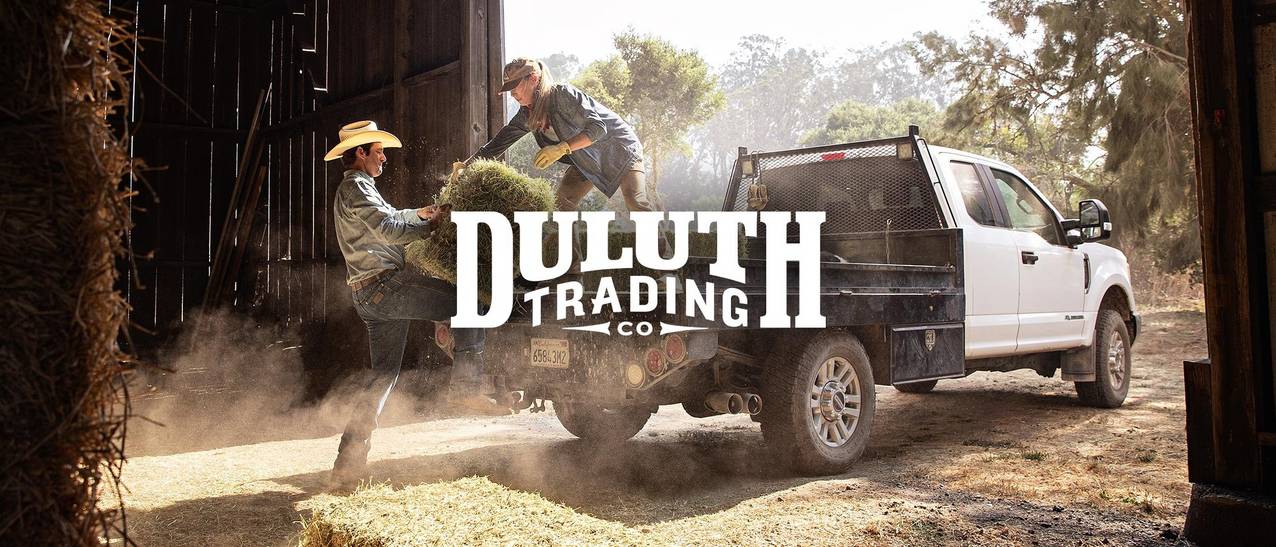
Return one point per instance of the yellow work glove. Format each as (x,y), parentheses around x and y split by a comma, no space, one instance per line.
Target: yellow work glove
(457,167)
(550,154)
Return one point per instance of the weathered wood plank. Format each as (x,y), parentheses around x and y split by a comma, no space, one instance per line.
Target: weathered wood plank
(1227,240)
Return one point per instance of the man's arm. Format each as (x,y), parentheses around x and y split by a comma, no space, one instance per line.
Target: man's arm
(395,226)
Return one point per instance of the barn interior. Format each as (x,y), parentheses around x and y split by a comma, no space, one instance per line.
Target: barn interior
(234,104)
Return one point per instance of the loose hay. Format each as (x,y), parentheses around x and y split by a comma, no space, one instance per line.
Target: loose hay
(62,215)
(483,186)
(469,511)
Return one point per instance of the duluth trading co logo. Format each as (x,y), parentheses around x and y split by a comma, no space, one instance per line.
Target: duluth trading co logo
(728,307)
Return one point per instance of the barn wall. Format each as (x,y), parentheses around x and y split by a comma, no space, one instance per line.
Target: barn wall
(422,69)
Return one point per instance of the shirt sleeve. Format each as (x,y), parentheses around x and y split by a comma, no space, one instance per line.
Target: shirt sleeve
(506,137)
(571,99)
(395,226)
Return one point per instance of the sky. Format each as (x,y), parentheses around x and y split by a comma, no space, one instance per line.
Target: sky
(538,28)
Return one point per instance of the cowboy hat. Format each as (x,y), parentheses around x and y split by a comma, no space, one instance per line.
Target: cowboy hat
(360,133)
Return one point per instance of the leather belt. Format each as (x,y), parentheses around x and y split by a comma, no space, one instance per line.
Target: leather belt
(380,276)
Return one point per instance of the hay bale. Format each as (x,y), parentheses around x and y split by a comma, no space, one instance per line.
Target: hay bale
(483,186)
(494,186)
(62,217)
(468,511)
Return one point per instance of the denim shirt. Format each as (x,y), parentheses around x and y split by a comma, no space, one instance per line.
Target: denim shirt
(615,145)
(371,233)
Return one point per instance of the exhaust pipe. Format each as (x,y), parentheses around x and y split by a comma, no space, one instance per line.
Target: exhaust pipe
(752,403)
(725,403)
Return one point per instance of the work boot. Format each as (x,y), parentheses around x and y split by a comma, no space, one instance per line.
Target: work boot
(466,388)
(479,403)
(351,467)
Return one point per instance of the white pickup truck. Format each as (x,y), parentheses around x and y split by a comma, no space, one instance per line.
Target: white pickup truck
(1037,282)
(934,264)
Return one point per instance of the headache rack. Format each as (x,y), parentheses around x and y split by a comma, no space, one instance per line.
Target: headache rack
(884,185)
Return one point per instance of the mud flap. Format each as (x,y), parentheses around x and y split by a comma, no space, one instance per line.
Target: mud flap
(1077,365)
(927,352)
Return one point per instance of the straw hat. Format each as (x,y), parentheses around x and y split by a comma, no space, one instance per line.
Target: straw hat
(358,133)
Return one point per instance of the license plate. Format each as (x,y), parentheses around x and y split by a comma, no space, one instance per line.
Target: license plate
(549,353)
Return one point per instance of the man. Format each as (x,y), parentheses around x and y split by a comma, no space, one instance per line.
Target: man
(372,236)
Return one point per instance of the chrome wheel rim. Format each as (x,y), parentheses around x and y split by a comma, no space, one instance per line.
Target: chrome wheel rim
(1116,360)
(835,399)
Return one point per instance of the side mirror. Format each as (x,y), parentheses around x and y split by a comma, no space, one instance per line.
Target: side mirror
(1095,224)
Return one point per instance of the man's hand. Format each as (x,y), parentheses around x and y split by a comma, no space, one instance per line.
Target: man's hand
(550,154)
(428,212)
(437,215)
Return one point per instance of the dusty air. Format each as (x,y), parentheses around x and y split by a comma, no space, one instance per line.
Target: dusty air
(570,299)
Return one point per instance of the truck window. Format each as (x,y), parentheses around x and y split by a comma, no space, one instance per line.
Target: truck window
(1028,213)
(973,194)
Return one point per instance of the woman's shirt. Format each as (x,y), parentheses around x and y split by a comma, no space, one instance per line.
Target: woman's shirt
(615,145)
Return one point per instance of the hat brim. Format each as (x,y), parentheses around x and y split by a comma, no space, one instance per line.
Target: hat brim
(511,84)
(366,137)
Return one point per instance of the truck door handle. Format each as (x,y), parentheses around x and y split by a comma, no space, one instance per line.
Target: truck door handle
(1028,257)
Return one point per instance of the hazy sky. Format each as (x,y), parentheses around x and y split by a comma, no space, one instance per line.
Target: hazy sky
(538,28)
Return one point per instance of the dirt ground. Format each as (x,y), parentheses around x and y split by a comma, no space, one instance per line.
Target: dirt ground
(989,459)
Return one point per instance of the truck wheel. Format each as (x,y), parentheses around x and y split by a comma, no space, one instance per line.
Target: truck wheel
(598,424)
(917,387)
(1112,367)
(818,409)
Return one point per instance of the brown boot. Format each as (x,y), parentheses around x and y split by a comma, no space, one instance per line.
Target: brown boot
(481,404)
(351,467)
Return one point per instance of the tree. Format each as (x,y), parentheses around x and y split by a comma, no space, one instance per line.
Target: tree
(1107,74)
(663,90)
(855,121)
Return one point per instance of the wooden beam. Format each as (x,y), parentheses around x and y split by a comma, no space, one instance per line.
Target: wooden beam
(399,91)
(474,74)
(1266,185)
(414,80)
(227,8)
(1230,227)
(1200,434)
(495,65)
(146,129)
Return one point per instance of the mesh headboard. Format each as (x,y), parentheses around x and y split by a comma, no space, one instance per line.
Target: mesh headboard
(863,187)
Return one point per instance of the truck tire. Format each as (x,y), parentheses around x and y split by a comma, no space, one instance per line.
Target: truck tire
(1112,363)
(917,387)
(598,424)
(819,407)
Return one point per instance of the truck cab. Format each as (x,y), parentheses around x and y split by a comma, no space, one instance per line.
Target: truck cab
(1035,282)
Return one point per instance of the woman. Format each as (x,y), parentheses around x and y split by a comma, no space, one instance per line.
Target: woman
(600,148)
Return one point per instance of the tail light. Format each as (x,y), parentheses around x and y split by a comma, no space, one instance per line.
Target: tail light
(655,362)
(634,376)
(442,336)
(675,348)
(833,156)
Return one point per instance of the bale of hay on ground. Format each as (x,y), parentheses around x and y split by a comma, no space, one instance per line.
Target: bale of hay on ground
(468,511)
(483,186)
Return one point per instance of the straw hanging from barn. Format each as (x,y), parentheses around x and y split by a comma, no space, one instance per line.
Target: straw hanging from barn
(62,215)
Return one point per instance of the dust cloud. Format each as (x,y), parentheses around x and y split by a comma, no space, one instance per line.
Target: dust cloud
(227,381)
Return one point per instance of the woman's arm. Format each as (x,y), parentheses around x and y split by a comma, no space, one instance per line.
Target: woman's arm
(506,137)
(593,129)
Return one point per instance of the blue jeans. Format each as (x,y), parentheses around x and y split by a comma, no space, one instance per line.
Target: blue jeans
(388,307)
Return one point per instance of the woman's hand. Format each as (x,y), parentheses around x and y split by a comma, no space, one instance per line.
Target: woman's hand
(551,154)
(457,167)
